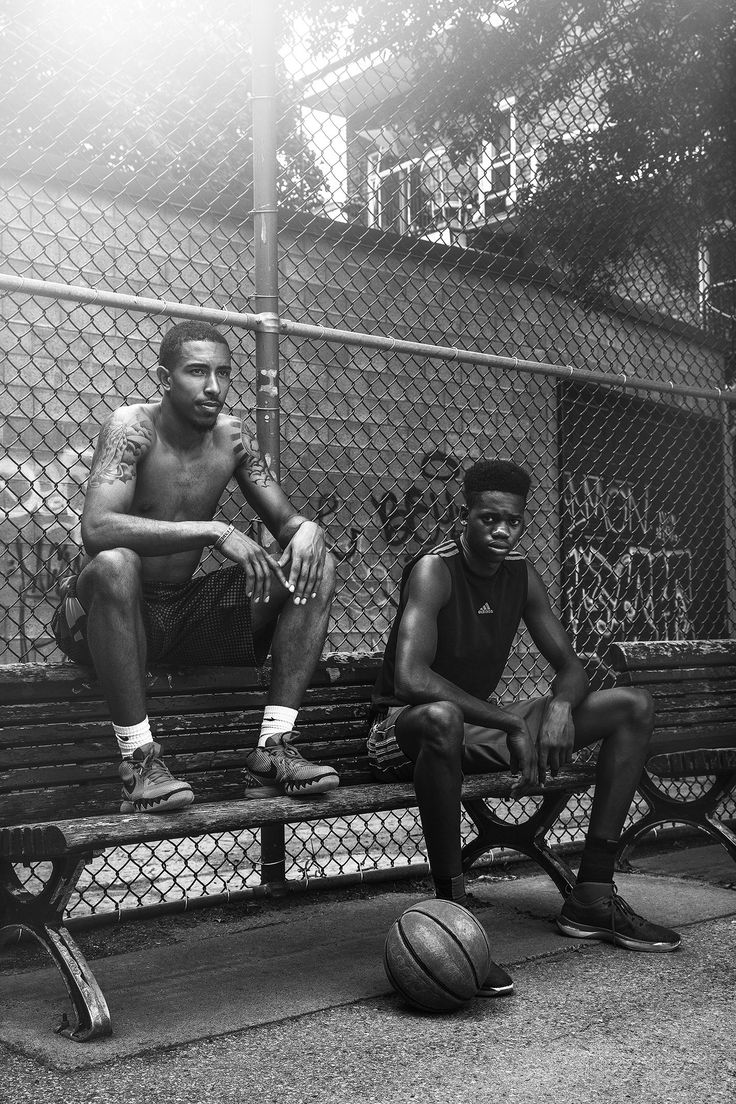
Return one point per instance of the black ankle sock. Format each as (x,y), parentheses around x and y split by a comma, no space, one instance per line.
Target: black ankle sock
(451,889)
(597,862)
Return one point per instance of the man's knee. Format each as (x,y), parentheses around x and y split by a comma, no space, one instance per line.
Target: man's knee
(641,708)
(114,574)
(442,724)
(328,582)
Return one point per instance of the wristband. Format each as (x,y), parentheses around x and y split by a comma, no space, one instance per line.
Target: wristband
(223,537)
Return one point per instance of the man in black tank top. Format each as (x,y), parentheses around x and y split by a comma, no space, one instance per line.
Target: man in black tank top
(435,719)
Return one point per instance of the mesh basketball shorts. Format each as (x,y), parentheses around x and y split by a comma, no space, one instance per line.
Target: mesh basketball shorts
(205,621)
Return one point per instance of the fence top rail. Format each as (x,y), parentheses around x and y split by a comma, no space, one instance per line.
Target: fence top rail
(272,323)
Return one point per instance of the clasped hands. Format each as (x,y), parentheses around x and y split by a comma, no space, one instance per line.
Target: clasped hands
(551,751)
(299,568)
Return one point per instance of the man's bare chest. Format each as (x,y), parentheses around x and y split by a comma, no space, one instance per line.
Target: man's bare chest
(179,488)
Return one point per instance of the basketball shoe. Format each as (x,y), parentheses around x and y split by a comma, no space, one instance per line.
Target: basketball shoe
(149,786)
(278,768)
(612,920)
(497,983)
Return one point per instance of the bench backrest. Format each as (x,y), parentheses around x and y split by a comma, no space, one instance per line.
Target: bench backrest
(59,759)
(693,683)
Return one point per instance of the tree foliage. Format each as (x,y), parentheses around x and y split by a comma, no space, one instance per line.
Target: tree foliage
(140,94)
(652,159)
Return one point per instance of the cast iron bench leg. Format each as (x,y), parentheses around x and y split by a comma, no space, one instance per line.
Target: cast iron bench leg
(664,809)
(42,915)
(527,837)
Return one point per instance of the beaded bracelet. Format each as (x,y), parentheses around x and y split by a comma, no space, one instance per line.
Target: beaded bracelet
(223,537)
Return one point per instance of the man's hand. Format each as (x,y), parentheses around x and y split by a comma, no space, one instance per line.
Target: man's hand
(304,559)
(258,566)
(556,738)
(523,757)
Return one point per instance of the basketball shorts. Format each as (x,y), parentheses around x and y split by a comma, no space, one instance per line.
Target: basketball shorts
(484,749)
(204,621)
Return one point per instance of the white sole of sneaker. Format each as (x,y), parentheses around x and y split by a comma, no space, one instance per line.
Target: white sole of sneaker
(497,991)
(318,786)
(600,936)
(173,803)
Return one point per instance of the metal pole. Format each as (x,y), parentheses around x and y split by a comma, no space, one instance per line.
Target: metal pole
(266,279)
(265,229)
(729,489)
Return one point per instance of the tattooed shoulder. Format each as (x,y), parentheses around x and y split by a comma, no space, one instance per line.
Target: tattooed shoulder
(249,459)
(121,446)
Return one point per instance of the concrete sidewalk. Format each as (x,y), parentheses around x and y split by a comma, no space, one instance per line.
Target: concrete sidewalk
(291,1004)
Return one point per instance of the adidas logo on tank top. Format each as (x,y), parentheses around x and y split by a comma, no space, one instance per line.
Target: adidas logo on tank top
(485,609)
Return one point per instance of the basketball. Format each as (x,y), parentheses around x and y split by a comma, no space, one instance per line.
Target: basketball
(436,955)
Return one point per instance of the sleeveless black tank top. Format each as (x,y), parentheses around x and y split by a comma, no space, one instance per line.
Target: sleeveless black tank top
(475,629)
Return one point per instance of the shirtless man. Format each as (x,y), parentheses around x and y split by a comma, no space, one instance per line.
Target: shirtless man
(435,716)
(157,476)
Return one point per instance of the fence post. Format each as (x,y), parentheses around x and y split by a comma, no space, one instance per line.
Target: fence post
(729,488)
(265,228)
(266,279)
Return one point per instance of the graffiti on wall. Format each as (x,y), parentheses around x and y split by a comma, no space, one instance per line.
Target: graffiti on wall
(40,546)
(627,571)
(373,534)
(642,519)
(424,512)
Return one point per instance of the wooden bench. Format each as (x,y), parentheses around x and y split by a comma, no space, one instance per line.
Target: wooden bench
(693,684)
(60,791)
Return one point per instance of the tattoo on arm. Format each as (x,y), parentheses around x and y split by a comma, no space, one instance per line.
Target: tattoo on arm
(249,459)
(119,449)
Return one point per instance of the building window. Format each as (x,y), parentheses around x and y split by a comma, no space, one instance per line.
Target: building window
(399,200)
(430,195)
(499,166)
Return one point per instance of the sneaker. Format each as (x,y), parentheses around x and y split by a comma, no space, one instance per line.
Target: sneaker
(613,920)
(497,984)
(278,768)
(149,787)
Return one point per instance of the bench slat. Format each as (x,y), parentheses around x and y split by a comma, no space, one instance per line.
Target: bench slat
(717,678)
(93,745)
(673,739)
(693,762)
(637,654)
(668,703)
(313,719)
(704,688)
(32,682)
(26,713)
(692,718)
(89,834)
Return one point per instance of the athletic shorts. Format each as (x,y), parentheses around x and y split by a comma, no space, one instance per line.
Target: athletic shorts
(205,621)
(484,749)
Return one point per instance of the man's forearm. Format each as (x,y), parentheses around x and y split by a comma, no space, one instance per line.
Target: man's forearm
(422,687)
(570,684)
(289,528)
(149,536)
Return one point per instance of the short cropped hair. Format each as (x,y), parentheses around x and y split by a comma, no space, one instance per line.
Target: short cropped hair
(182,332)
(495,475)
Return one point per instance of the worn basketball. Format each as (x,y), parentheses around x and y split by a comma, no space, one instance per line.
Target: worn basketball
(436,955)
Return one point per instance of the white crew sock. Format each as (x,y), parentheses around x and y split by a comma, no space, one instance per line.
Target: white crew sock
(276,718)
(130,737)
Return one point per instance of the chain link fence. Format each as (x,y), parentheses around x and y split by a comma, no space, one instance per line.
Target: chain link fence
(491,243)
